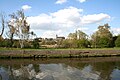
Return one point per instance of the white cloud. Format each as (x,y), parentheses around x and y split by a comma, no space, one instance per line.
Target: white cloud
(50,34)
(115,31)
(81,1)
(60,1)
(56,20)
(26,7)
(63,20)
(94,18)
(83,29)
(67,17)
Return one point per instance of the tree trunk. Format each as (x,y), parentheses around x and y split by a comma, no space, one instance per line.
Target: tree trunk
(11,39)
(3,25)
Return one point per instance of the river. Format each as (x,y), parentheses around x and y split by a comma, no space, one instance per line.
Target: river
(100,68)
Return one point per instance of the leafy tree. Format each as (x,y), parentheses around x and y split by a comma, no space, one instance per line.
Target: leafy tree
(117,42)
(78,39)
(102,37)
(72,36)
(81,35)
(82,40)
(103,42)
(83,43)
(68,43)
(95,39)
(113,41)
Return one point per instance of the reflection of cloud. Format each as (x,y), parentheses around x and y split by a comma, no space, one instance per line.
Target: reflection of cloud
(3,74)
(50,72)
(115,74)
(57,72)
(88,73)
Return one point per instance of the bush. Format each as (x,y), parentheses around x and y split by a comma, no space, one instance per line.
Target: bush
(117,42)
(35,43)
(5,43)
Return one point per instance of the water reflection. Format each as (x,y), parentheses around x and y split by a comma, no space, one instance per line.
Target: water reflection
(62,71)
(115,75)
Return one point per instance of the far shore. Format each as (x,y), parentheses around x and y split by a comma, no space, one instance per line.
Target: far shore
(8,53)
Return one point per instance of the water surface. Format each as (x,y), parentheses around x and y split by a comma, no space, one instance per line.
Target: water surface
(61,69)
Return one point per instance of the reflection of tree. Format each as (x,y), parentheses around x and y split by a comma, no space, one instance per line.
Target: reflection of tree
(36,67)
(117,65)
(81,65)
(4,75)
(11,73)
(105,69)
(0,77)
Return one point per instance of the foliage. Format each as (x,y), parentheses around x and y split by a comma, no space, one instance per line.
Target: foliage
(72,36)
(5,43)
(102,37)
(35,43)
(117,42)
(83,43)
(69,43)
(103,42)
(16,44)
(113,41)
(76,40)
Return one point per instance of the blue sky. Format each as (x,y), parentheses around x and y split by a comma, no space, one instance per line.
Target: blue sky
(50,17)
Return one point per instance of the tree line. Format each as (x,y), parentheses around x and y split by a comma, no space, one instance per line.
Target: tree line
(18,35)
(102,38)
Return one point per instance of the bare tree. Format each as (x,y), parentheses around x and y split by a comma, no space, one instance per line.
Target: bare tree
(2,18)
(19,26)
(12,27)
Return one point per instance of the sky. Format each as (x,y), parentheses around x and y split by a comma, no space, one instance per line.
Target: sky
(48,18)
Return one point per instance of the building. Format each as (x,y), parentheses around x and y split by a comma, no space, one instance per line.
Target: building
(59,38)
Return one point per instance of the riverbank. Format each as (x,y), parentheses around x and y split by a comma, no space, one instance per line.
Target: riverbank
(57,53)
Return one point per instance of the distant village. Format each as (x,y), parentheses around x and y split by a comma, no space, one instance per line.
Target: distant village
(50,42)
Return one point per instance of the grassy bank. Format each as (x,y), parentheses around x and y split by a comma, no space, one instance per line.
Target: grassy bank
(13,53)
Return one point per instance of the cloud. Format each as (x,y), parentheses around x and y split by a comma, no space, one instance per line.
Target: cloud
(94,18)
(115,31)
(63,20)
(26,7)
(83,29)
(81,1)
(60,1)
(50,34)
(56,20)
